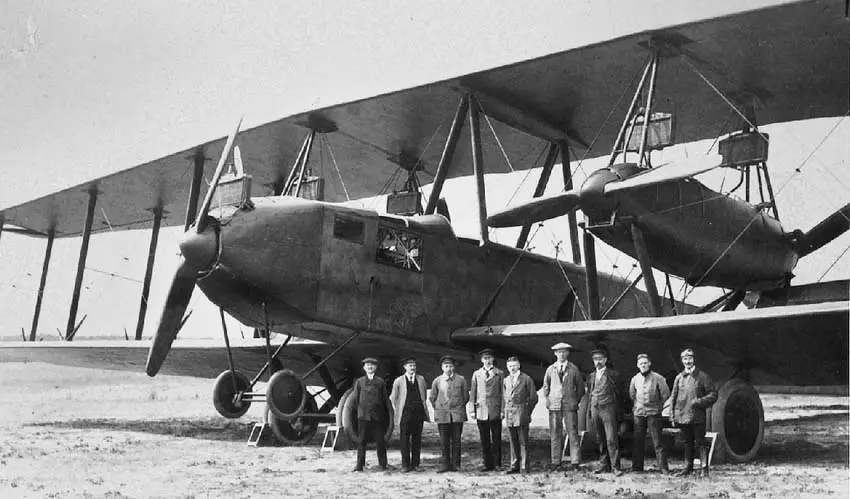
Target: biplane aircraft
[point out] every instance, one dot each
(281, 250)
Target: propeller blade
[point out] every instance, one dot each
(664, 173)
(542, 208)
(219, 170)
(172, 316)
(823, 233)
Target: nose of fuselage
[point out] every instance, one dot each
(200, 250)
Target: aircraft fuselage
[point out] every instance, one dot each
(321, 262)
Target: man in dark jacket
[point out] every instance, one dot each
(408, 398)
(370, 398)
(693, 393)
(605, 399)
(648, 390)
(520, 397)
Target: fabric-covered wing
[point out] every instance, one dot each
(791, 56)
(197, 358)
(800, 345)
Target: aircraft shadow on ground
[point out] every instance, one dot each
(200, 428)
(801, 440)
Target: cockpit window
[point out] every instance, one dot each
(348, 229)
(399, 248)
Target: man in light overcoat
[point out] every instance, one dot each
(486, 395)
(693, 393)
(563, 388)
(408, 399)
(449, 396)
(520, 397)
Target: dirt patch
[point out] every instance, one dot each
(83, 433)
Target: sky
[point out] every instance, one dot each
(92, 87)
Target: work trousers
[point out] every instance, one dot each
(652, 422)
(491, 442)
(518, 436)
(450, 438)
(376, 429)
(558, 420)
(604, 419)
(693, 435)
(410, 432)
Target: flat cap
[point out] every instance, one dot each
(447, 359)
(369, 360)
(599, 351)
(562, 346)
(687, 351)
(643, 356)
(487, 351)
(408, 360)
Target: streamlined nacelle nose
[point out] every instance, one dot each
(200, 249)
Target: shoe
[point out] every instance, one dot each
(406, 469)
(525, 472)
(637, 470)
(617, 472)
(601, 469)
(358, 468)
(512, 471)
(444, 470)
(385, 467)
(554, 467)
(485, 468)
(703, 473)
(684, 472)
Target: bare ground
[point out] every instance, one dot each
(70, 432)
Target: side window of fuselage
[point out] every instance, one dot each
(399, 248)
(348, 229)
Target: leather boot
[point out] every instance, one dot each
(703, 459)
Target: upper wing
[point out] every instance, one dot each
(792, 55)
(788, 345)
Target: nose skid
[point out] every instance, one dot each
(201, 250)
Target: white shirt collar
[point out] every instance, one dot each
(370, 377)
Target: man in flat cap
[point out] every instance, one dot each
(693, 393)
(373, 410)
(605, 400)
(408, 399)
(648, 390)
(449, 395)
(563, 388)
(486, 395)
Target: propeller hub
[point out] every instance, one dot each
(200, 249)
(592, 195)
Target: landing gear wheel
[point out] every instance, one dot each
(348, 410)
(223, 394)
(296, 431)
(738, 419)
(286, 394)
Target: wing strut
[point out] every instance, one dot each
(646, 270)
(545, 173)
(478, 167)
(81, 263)
(50, 235)
(568, 186)
(146, 285)
(592, 277)
(446, 158)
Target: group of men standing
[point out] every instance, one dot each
(499, 398)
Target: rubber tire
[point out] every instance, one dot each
(738, 402)
(280, 377)
(285, 431)
(349, 420)
(223, 394)
(339, 420)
